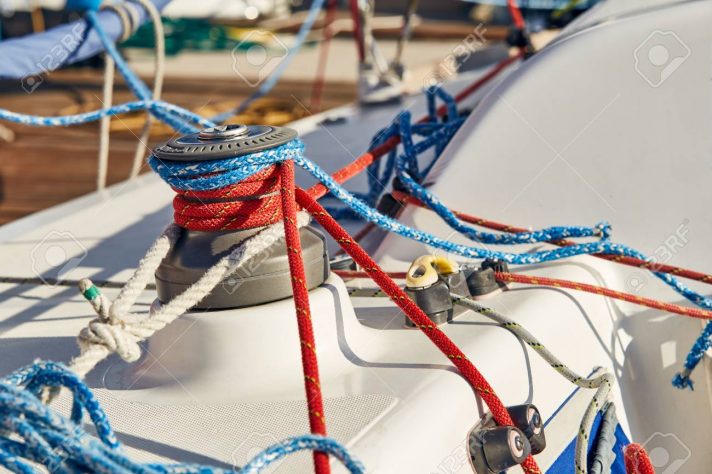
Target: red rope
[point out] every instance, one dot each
(414, 313)
(245, 205)
(543, 281)
(358, 30)
(637, 460)
(318, 87)
(598, 290)
(304, 323)
(631, 261)
(362, 162)
(516, 14)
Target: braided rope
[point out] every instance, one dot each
(598, 290)
(310, 367)
(468, 370)
(602, 383)
(118, 330)
(637, 460)
(44, 437)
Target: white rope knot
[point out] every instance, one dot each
(117, 330)
(115, 337)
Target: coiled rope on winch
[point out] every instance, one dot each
(220, 175)
(226, 173)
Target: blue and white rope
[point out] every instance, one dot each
(86, 117)
(32, 433)
(184, 121)
(219, 173)
(139, 89)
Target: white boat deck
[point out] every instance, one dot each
(574, 136)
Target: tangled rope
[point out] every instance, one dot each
(104, 337)
(182, 119)
(239, 169)
(43, 436)
(217, 176)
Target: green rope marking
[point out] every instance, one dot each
(91, 293)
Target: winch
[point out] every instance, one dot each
(213, 223)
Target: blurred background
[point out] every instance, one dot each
(217, 53)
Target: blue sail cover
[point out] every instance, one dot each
(42, 53)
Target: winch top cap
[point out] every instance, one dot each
(224, 141)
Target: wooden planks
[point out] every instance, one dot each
(46, 166)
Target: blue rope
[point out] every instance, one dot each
(180, 119)
(436, 135)
(31, 432)
(362, 205)
(220, 173)
(275, 76)
(134, 83)
(77, 119)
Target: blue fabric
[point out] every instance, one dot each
(61, 46)
(564, 464)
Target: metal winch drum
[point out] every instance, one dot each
(265, 278)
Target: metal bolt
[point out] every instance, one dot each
(224, 132)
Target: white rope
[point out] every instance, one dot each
(118, 330)
(105, 124)
(108, 96)
(159, 73)
(603, 382)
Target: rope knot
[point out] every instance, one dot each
(106, 330)
(114, 338)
